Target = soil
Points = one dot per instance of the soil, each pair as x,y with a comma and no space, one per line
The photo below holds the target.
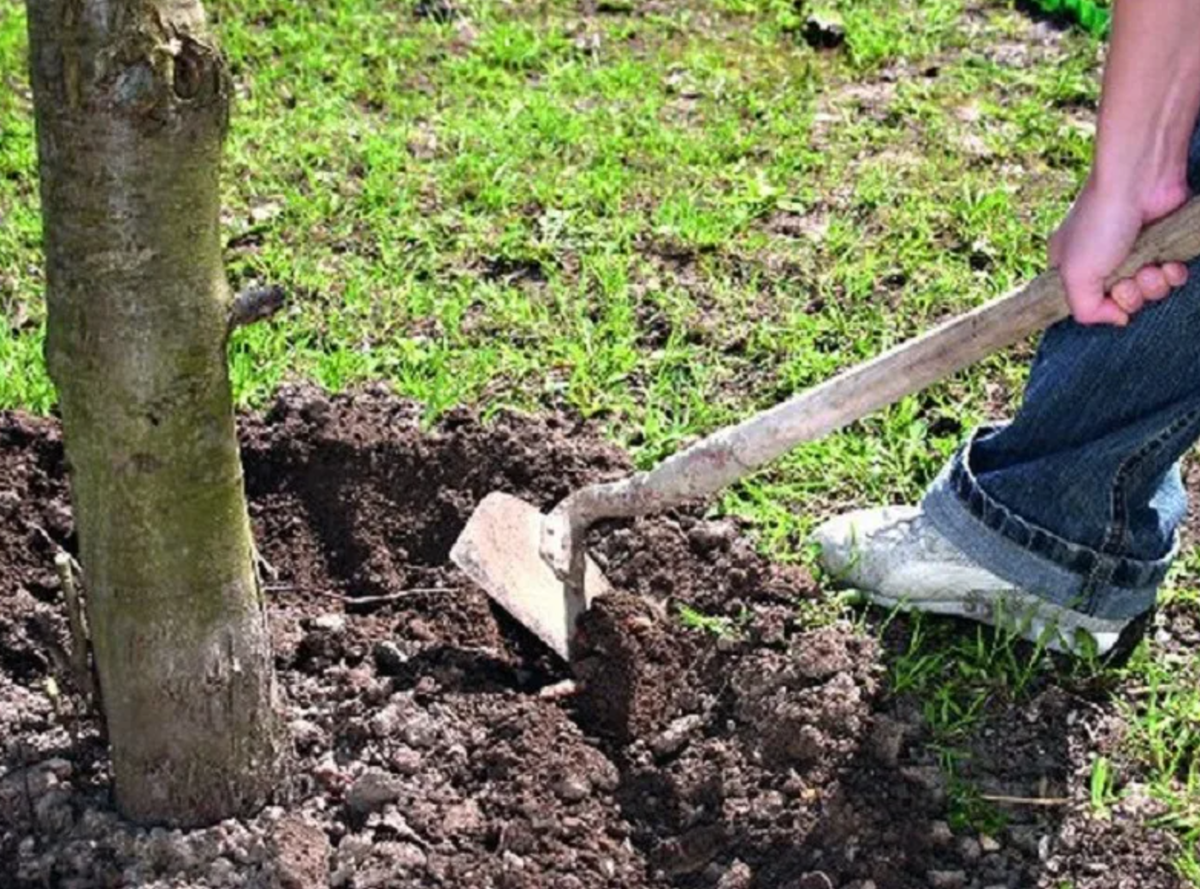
439,745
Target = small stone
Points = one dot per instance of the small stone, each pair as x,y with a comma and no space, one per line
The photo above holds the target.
988,844
222,872
947,879
572,789
420,731
372,791
61,768
420,630
9,501
306,734
389,658
559,690
675,737
1043,848
512,861
738,876
970,849
354,848
465,818
392,820
406,761
386,721
940,833
330,623
327,773
406,856
301,853
815,880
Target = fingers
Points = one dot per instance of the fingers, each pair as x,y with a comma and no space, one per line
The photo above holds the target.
1151,284
1128,294
1176,272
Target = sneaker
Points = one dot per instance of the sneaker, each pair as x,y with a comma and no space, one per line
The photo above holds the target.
897,559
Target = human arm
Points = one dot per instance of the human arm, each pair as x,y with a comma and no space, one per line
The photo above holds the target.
1148,108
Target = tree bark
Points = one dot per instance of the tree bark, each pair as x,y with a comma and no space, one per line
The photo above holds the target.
132,105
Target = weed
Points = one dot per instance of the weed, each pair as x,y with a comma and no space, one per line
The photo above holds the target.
721,627
1102,786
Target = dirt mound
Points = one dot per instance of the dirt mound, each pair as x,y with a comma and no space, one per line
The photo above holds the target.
439,745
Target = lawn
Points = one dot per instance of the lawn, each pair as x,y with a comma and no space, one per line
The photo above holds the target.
660,216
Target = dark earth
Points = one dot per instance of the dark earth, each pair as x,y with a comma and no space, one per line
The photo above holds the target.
439,745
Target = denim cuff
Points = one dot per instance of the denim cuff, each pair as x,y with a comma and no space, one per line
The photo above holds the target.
1033,558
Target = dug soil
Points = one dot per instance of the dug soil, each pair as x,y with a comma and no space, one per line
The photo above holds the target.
438,744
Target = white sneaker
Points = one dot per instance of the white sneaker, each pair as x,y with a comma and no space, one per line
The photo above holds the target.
897,559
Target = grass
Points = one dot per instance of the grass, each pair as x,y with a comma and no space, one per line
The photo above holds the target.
660,221
960,679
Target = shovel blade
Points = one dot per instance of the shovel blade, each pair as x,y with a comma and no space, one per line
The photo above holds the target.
500,550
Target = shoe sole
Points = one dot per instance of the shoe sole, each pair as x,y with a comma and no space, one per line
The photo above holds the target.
1031,612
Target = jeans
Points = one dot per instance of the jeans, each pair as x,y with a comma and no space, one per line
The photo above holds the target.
1079,499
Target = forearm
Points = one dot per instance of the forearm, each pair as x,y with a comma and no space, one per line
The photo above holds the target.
1149,102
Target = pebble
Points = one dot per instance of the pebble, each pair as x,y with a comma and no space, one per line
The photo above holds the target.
61,768
940,833
372,791
306,733
330,623
947,879
675,737
385,723
407,856
327,773
464,818
988,844
738,876
406,761
970,849
815,880
353,848
420,731
572,789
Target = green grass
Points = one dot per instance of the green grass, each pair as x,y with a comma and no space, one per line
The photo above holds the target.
960,679
663,222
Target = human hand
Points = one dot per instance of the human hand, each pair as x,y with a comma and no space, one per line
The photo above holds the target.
1093,241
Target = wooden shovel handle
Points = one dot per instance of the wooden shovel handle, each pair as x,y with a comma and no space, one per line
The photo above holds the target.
731,453
951,346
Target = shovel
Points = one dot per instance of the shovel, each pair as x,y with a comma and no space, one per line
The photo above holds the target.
536,566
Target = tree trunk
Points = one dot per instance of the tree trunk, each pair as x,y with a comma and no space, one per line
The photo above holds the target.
132,104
